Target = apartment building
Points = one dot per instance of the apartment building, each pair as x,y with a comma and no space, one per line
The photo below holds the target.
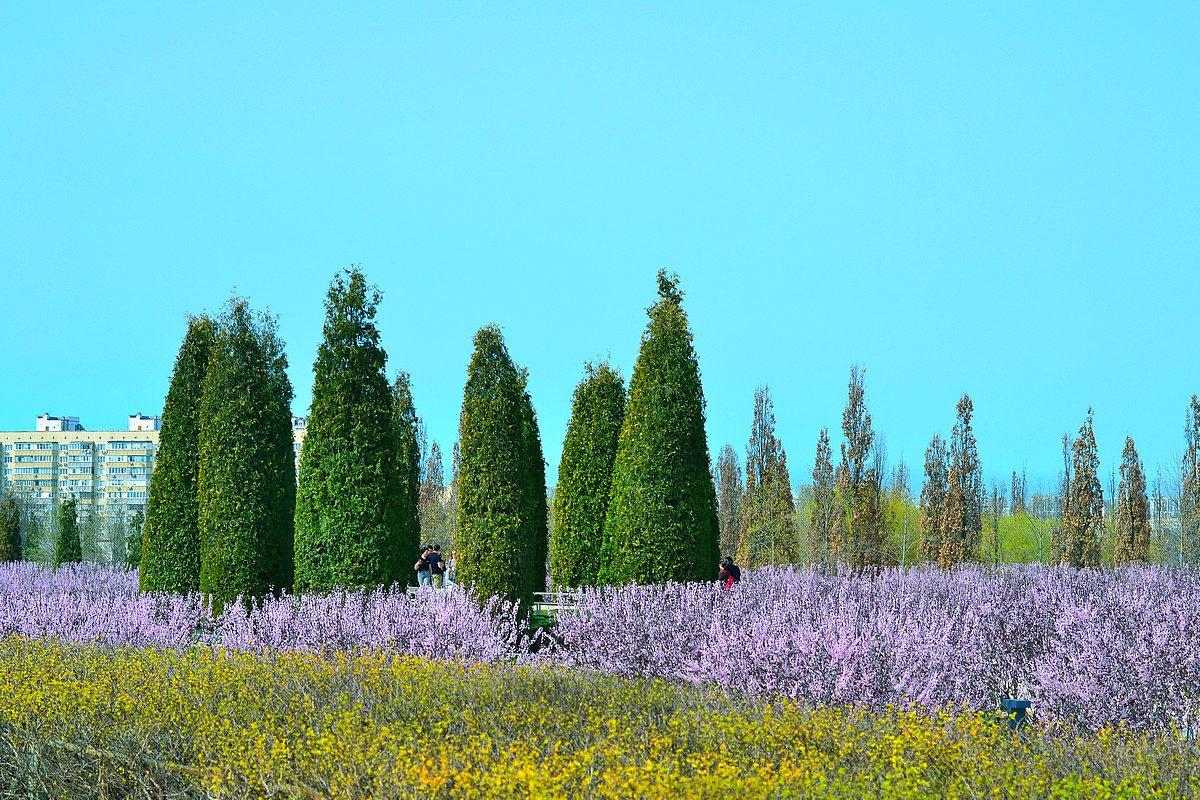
107,472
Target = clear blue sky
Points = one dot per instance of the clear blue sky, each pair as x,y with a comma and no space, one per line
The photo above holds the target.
1007,196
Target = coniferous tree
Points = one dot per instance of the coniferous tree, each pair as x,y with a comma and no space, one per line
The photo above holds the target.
933,501
135,545
858,525
431,506
169,552
349,498
1132,540
767,531
963,521
10,529
1083,521
1189,489
247,477
996,510
727,478
585,476
496,536
820,523
662,515
408,466
534,488
68,548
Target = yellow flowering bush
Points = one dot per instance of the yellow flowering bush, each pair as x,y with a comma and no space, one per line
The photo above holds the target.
98,721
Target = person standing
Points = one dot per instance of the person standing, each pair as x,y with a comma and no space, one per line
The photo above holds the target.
424,568
452,568
730,574
437,566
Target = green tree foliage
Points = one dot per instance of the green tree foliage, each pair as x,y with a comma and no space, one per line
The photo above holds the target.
933,500
1083,520
10,529
1189,489
135,546
662,515
901,516
348,499
1132,539
858,529
247,479
68,548
432,507
497,520
170,550
408,543
768,531
534,485
824,503
727,478
963,521
585,476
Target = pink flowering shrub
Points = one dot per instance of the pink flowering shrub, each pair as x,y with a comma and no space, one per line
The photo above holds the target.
1089,648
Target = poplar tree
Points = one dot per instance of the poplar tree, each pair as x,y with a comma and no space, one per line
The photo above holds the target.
820,522
10,529
431,497
585,476
963,520
247,478
1189,488
767,533
857,536
1132,540
496,529
1017,505
727,478
933,501
662,515
534,488
68,547
406,545
1083,521
348,501
169,551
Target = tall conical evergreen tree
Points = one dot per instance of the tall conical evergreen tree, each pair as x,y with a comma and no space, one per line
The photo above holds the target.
496,531
1132,540
768,533
408,470
662,514
963,522
1083,521
170,541
858,529
933,501
727,477
68,548
10,529
1188,549
534,485
247,479
585,476
347,509
820,521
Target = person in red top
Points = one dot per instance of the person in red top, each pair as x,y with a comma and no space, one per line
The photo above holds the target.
730,574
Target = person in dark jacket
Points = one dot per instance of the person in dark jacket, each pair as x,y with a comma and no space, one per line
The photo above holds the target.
730,574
